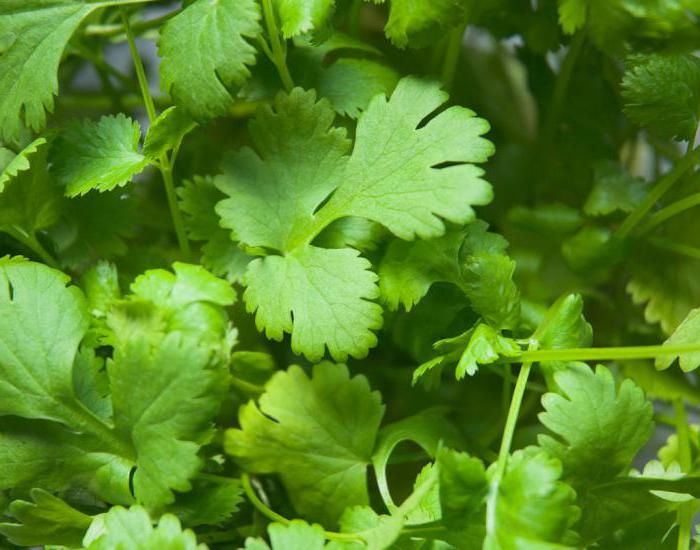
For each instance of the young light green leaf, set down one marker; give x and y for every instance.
(597, 429)
(45, 520)
(301, 16)
(485, 346)
(412, 22)
(133, 529)
(688, 332)
(167, 131)
(321, 296)
(564, 325)
(661, 93)
(317, 434)
(205, 52)
(297, 535)
(98, 155)
(533, 509)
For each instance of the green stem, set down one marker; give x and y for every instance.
(685, 511)
(278, 49)
(671, 210)
(603, 354)
(454, 48)
(32, 243)
(658, 191)
(246, 387)
(109, 31)
(270, 514)
(165, 167)
(506, 442)
(677, 248)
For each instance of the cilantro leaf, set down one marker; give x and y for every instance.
(598, 429)
(37, 351)
(208, 503)
(297, 535)
(29, 201)
(688, 332)
(206, 52)
(463, 487)
(661, 94)
(45, 520)
(222, 256)
(98, 155)
(294, 186)
(167, 131)
(533, 506)
(301, 16)
(614, 189)
(164, 399)
(317, 434)
(320, 296)
(564, 325)
(132, 528)
(411, 22)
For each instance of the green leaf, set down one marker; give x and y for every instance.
(33, 35)
(317, 434)
(167, 131)
(37, 350)
(190, 300)
(301, 16)
(688, 332)
(277, 178)
(164, 399)
(564, 325)
(298, 535)
(412, 22)
(45, 520)
(350, 84)
(208, 503)
(597, 429)
(661, 93)
(485, 346)
(220, 254)
(534, 509)
(205, 52)
(463, 487)
(132, 528)
(98, 155)
(30, 200)
(614, 189)
(19, 162)
(321, 296)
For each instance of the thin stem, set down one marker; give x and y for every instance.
(270, 514)
(671, 210)
(677, 248)
(246, 387)
(109, 31)
(178, 222)
(658, 191)
(277, 47)
(685, 511)
(33, 244)
(506, 442)
(140, 72)
(165, 167)
(604, 354)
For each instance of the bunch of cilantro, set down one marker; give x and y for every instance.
(345, 275)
